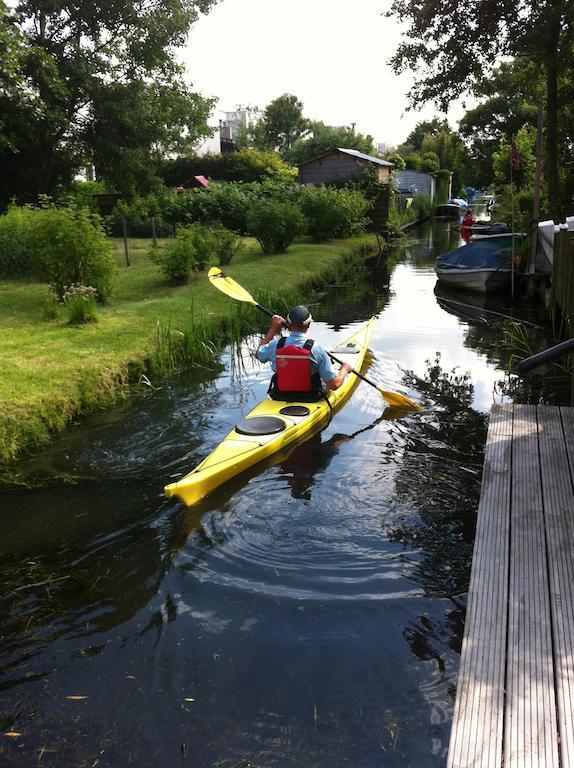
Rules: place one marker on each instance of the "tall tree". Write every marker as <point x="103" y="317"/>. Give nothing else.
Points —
<point x="324" y="138"/>
<point x="509" y="100"/>
<point x="451" y="48"/>
<point x="88" y="69"/>
<point x="283" y="123"/>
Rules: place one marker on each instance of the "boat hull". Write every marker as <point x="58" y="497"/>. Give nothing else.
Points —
<point x="450" y="211"/>
<point x="476" y="280"/>
<point x="502" y="239"/>
<point x="238" y="452"/>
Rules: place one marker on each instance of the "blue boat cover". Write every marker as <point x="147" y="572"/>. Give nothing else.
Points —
<point x="457" y="201"/>
<point x="476" y="255"/>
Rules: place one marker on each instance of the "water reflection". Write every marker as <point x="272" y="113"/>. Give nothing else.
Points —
<point x="309" y="612"/>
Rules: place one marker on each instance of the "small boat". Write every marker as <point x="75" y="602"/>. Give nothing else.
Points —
<point x="270" y="427"/>
<point x="478" y="266"/>
<point x="453" y="208"/>
<point x="500" y="238"/>
<point x="481" y="227"/>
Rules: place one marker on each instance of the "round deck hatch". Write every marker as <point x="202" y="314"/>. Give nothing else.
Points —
<point x="260" y="425"/>
<point x="295" y="410"/>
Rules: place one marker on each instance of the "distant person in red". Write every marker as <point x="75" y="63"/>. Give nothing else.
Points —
<point x="466" y="228"/>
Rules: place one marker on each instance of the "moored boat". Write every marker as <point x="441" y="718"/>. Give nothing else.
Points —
<point x="453" y="208"/>
<point x="503" y="239"/>
<point x="270" y="427"/>
<point x="481" y="227"/>
<point x="479" y="266"/>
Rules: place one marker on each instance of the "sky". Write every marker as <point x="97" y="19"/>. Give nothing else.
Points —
<point x="331" y="54"/>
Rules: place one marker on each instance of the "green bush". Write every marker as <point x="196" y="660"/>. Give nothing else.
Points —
<point x="275" y="225"/>
<point x="68" y="245"/>
<point x="245" y="166"/>
<point x="334" y="212"/>
<point x="421" y="207"/>
<point x="190" y="251"/>
<point x="82" y="194"/>
<point x="219" y="204"/>
<point x="16" y="240"/>
<point x="227" y="244"/>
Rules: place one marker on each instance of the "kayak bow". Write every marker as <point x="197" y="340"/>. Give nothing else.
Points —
<point x="270" y="427"/>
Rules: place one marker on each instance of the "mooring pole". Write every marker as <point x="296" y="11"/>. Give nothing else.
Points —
<point x="536" y="200"/>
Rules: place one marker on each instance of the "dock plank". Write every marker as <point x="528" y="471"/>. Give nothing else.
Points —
<point x="515" y="699"/>
<point x="555" y="431"/>
<point x="530" y="711"/>
<point x="476" y="738"/>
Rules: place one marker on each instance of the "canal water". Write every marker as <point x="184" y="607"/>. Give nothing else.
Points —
<point x="308" y="614"/>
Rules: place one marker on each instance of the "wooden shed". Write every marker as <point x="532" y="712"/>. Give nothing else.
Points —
<point x="341" y="164"/>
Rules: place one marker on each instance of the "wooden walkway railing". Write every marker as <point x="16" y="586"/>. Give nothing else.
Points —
<point x="515" y="699"/>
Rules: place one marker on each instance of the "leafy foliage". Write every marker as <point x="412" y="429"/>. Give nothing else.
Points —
<point x="275" y="225"/>
<point x="93" y="82"/>
<point x="490" y="30"/>
<point x="56" y="245"/>
<point x="509" y="100"/>
<point x="68" y="245"/>
<point x="283" y="123"/>
<point x="224" y="204"/>
<point x="334" y="213"/>
<point x="179" y="259"/>
<point x="193" y="248"/>
<point x="16" y="239"/>
<point x="245" y="166"/>
<point x="323" y="139"/>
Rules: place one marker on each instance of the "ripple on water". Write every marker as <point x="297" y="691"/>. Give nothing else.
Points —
<point x="312" y="549"/>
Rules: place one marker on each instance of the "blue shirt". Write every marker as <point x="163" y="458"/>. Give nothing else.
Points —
<point x="320" y="360"/>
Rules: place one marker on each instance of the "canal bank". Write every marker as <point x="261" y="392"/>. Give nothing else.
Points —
<point x="54" y="372"/>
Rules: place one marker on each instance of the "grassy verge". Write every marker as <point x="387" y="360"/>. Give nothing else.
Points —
<point x="52" y="371"/>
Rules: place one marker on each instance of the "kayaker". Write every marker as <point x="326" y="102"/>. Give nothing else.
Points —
<point x="466" y="228"/>
<point x="302" y="368"/>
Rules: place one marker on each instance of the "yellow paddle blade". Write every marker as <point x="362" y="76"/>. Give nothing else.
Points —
<point x="228" y="285"/>
<point x="396" y="400"/>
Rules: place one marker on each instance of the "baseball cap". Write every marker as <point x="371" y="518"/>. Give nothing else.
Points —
<point x="299" y="316"/>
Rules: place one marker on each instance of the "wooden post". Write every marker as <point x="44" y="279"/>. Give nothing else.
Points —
<point x="536" y="202"/>
<point x="126" y="248"/>
<point x="512" y="225"/>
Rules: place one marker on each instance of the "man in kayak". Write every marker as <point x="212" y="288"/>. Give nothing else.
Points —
<point x="302" y="368"/>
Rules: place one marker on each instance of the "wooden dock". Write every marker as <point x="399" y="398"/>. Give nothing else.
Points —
<point x="515" y="698"/>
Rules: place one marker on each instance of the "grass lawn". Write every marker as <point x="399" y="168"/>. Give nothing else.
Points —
<point x="51" y="371"/>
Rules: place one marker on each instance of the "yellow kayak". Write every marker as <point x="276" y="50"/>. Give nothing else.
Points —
<point x="270" y="427"/>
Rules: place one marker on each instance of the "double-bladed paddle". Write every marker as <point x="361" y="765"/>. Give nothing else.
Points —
<point x="231" y="288"/>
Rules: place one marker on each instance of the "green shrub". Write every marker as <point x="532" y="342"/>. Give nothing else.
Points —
<point x="219" y="204"/>
<point x="188" y="252"/>
<point x="421" y="207"/>
<point x="16" y="239"/>
<point x="227" y="245"/>
<point x="68" y="245"/>
<point x="244" y="166"/>
<point x="334" y="212"/>
<point x="82" y="194"/>
<point x="275" y="225"/>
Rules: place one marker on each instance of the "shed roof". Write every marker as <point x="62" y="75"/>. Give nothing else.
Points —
<point x="362" y="156"/>
<point x="353" y="153"/>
